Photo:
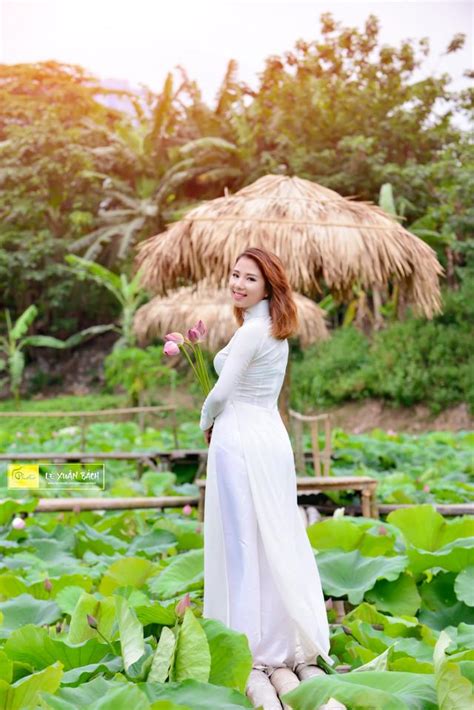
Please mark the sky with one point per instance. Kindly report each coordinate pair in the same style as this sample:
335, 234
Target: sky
139, 41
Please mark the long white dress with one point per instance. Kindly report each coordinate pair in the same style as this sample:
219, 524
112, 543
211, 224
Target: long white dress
260, 573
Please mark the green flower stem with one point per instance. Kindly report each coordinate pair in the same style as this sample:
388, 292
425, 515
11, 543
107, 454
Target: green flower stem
199, 367
197, 370
107, 641
203, 368
189, 359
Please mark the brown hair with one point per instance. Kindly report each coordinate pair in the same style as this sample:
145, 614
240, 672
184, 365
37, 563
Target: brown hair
280, 296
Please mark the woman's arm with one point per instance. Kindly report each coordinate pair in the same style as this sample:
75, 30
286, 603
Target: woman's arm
245, 346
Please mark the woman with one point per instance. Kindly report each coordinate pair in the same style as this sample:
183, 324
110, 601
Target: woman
260, 573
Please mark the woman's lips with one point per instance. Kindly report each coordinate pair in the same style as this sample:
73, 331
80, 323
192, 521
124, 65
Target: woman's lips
238, 296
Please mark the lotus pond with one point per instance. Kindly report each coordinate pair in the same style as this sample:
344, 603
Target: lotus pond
425, 468
103, 610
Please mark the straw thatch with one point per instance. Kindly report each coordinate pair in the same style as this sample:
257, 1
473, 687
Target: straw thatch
185, 306
319, 235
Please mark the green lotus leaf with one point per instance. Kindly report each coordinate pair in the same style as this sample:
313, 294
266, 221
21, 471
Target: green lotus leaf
77, 676
156, 613
25, 609
334, 533
196, 695
34, 646
193, 657
352, 575
39, 590
9, 507
225, 643
184, 530
424, 528
452, 688
184, 573
455, 556
133, 571
163, 658
130, 631
158, 483
24, 694
12, 586
374, 690
114, 695
103, 611
392, 625
464, 586
89, 539
440, 607
153, 543
398, 597
6, 667
86, 695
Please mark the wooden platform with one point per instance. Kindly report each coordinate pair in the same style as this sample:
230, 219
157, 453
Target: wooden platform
319, 484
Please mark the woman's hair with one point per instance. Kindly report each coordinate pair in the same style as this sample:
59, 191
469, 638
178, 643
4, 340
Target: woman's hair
280, 296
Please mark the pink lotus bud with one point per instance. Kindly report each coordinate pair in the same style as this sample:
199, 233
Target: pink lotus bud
201, 328
426, 488
92, 621
175, 338
18, 523
194, 335
187, 509
182, 605
382, 530
171, 348
47, 585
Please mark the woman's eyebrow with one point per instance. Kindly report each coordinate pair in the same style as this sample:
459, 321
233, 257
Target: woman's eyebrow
249, 273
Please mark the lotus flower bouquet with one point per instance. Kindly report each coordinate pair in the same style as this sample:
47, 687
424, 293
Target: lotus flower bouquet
176, 342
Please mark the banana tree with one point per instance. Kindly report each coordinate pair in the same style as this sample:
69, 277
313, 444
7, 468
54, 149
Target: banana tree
128, 293
12, 345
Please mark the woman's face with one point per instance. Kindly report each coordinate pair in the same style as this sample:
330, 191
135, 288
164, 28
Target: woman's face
247, 285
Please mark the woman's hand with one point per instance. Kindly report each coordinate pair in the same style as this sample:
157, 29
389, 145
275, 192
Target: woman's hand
207, 435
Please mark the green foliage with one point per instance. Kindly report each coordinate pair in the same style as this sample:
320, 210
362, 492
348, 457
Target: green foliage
127, 292
138, 371
16, 339
406, 363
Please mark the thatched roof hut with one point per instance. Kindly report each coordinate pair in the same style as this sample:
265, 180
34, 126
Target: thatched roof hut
319, 235
182, 308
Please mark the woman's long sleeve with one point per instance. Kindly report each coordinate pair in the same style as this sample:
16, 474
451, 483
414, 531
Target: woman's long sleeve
245, 346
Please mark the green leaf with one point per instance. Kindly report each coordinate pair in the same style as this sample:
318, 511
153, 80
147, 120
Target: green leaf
163, 658
24, 694
373, 690
133, 571
334, 533
130, 631
464, 586
424, 528
102, 610
25, 609
455, 556
193, 657
34, 646
399, 596
23, 322
350, 574
184, 573
453, 690
225, 643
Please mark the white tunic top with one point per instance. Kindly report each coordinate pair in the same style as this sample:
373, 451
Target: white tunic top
251, 366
